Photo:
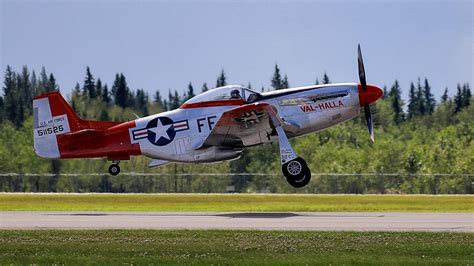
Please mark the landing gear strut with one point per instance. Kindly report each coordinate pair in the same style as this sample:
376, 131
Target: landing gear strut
114, 168
294, 168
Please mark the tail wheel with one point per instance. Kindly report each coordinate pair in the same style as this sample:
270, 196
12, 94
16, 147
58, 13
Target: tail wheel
296, 172
114, 169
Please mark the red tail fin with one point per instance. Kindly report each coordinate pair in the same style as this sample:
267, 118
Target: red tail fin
53, 116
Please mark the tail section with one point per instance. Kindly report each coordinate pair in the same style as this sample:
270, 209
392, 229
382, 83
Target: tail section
53, 117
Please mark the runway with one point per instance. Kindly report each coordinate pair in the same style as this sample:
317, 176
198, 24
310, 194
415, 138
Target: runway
313, 221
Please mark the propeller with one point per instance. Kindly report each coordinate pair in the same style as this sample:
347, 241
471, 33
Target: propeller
363, 84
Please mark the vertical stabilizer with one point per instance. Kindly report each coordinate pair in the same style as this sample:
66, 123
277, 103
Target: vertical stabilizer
52, 116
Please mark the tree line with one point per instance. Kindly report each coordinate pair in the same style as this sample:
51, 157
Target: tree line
19, 88
416, 141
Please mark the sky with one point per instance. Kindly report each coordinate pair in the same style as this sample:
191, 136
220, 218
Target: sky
167, 44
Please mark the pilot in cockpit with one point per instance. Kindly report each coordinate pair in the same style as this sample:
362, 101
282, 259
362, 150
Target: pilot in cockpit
235, 94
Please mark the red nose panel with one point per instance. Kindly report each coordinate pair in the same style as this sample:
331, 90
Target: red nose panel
370, 95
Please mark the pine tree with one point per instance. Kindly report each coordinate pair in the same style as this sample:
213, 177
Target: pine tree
316, 82
429, 99
276, 81
89, 85
458, 99
77, 89
176, 101
398, 116
25, 83
421, 107
204, 87
326, 79
466, 95
106, 94
221, 79
43, 81
141, 102
120, 91
190, 93
412, 102
21, 113
385, 92
170, 100
445, 97
76, 95
157, 98
19, 100
397, 103
52, 85
24, 96
131, 98
10, 88
285, 84
98, 87
34, 84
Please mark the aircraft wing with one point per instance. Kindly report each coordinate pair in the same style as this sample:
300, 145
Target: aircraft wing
246, 125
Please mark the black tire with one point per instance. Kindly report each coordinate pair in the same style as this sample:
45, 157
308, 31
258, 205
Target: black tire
296, 172
114, 169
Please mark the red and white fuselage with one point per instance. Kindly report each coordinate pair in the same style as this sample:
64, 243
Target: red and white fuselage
179, 135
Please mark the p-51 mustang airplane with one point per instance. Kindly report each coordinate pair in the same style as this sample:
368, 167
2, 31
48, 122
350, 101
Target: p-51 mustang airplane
213, 126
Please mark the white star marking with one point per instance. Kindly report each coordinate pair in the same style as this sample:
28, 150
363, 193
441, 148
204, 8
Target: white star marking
160, 131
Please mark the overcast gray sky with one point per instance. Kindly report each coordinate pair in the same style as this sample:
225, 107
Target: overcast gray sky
166, 44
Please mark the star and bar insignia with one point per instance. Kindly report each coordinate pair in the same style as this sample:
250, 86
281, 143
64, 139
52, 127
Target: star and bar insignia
160, 131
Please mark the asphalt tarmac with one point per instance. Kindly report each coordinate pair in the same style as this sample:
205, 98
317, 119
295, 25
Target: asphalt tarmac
313, 221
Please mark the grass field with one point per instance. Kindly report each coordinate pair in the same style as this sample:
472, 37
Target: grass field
235, 202
233, 247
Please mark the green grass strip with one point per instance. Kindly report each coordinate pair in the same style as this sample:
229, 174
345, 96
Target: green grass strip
236, 202
233, 247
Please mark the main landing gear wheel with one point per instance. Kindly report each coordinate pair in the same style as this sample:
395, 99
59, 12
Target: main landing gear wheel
294, 168
114, 169
296, 172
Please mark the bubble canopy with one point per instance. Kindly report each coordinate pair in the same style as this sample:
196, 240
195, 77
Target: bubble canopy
231, 92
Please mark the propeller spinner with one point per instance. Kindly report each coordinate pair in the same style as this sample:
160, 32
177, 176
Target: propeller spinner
367, 94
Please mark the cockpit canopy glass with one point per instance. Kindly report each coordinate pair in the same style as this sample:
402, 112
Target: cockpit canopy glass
231, 92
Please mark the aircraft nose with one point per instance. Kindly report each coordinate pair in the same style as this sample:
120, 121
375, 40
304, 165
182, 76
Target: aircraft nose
370, 95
